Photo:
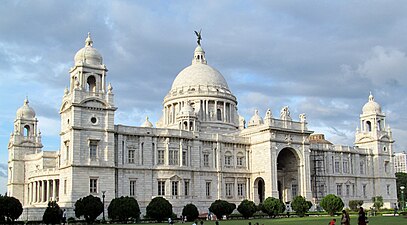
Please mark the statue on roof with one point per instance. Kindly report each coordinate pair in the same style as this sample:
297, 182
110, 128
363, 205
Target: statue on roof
198, 35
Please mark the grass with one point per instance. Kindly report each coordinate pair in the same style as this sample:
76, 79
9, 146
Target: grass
321, 220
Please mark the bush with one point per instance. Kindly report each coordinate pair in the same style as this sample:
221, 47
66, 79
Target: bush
52, 214
300, 205
247, 208
10, 208
377, 202
355, 204
159, 209
190, 212
89, 207
124, 208
272, 206
332, 203
222, 207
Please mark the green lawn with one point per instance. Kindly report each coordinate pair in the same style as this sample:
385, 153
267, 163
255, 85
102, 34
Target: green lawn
322, 220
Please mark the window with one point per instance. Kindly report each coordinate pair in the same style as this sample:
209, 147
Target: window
228, 159
67, 151
337, 167
339, 189
219, 114
93, 146
173, 157
386, 166
347, 190
132, 188
184, 157
206, 159
388, 189
65, 185
240, 160
345, 166
208, 189
91, 84
364, 190
161, 187
160, 157
93, 185
294, 190
240, 190
186, 187
229, 189
26, 130
174, 188
132, 152
362, 167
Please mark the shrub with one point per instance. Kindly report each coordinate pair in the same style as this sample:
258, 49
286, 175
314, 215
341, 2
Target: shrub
159, 209
332, 203
377, 202
247, 208
190, 212
124, 208
89, 207
355, 204
222, 207
272, 206
300, 205
10, 208
52, 214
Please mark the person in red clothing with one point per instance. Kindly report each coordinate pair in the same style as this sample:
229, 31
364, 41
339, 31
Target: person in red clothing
333, 221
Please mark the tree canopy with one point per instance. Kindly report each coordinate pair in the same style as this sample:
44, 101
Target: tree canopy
222, 207
90, 207
272, 206
52, 214
10, 208
300, 205
190, 211
332, 204
159, 209
123, 209
247, 208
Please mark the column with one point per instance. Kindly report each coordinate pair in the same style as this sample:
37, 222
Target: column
36, 192
274, 186
215, 113
54, 188
49, 190
39, 191
206, 110
224, 111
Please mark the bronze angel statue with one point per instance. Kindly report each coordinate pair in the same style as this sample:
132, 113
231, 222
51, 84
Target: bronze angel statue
198, 35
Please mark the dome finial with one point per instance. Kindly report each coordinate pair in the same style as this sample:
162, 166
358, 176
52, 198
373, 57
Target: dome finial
371, 98
198, 36
88, 41
26, 100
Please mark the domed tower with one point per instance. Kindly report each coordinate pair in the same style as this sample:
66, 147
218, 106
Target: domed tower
207, 93
25, 139
87, 125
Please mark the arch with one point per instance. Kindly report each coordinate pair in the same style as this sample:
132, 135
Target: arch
288, 173
26, 130
368, 126
91, 81
259, 190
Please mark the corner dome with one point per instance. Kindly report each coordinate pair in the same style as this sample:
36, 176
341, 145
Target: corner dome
26, 111
88, 54
147, 123
255, 120
371, 107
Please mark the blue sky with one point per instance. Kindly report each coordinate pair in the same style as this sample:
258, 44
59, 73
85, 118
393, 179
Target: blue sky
318, 57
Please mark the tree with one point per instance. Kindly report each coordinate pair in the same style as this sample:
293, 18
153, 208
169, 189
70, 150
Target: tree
247, 208
52, 214
90, 207
355, 204
159, 209
272, 206
190, 211
10, 208
377, 202
401, 180
222, 207
300, 205
124, 208
332, 203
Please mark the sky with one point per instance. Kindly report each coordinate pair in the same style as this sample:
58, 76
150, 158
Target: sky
321, 58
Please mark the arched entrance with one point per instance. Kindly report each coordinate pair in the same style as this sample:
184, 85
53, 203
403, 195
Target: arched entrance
287, 174
259, 188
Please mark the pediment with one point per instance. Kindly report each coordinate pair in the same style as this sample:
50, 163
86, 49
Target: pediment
94, 103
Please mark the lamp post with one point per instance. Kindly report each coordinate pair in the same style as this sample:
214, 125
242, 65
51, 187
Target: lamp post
402, 197
103, 200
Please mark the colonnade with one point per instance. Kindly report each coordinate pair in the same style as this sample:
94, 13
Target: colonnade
43, 191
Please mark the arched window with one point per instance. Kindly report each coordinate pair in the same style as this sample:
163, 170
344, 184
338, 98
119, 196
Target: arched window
379, 125
185, 125
219, 114
368, 126
26, 130
91, 84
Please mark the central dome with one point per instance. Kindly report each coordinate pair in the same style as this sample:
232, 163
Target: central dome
199, 75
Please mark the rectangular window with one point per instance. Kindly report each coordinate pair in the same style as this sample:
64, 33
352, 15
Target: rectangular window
240, 190
131, 155
93, 185
337, 167
347, 190
228, 160
186, 188
173, 157
364, 190
229, 189
67, 151
161, 187
174, 188
388, 189
339, 189
93, 146
185, 158
160, 157
345, 166
294, 190
132, 188
240, 161
386, 166
206, 159
208, 189
65, 184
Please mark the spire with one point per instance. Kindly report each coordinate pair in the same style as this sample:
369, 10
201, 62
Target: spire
371, 98
88, 41
26, 100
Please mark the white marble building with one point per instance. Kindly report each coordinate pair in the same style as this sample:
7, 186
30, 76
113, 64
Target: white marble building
400, 162
200, 150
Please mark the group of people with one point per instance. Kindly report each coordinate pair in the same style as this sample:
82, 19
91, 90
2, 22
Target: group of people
345, 219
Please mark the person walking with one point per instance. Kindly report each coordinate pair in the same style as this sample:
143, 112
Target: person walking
361, 217
345, 220
64, 217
